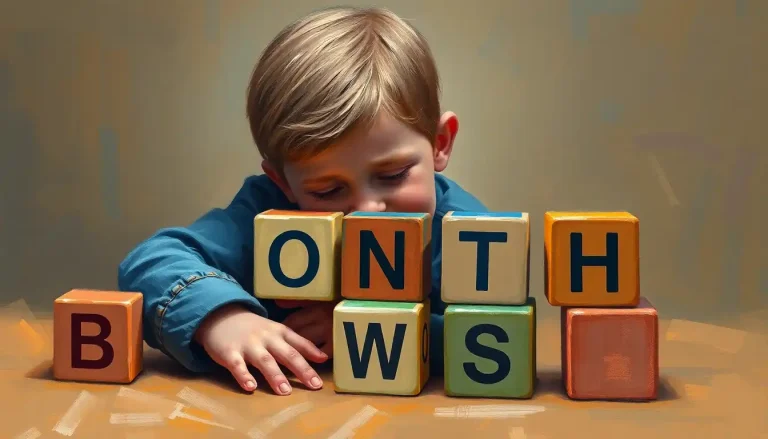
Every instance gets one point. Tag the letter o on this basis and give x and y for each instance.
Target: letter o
(313, 254)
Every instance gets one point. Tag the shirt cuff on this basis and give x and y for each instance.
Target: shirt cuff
(190, 302)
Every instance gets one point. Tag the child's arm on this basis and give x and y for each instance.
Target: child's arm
(199, 276)
(185, 273)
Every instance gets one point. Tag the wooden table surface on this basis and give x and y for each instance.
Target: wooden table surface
(714, 383)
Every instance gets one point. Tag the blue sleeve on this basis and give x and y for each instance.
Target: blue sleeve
(453, 198)
(185, 273)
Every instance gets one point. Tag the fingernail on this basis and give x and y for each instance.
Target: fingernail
(315, 381)
(285, 388)
(250, 384)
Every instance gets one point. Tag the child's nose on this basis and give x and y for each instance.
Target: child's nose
(370, 204)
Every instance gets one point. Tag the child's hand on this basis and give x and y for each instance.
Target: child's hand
(315, 323)
(234, 337)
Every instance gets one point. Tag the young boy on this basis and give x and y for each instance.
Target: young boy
(343, 106)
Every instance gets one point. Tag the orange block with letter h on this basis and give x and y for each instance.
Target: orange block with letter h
(98, 336)
(592, 259)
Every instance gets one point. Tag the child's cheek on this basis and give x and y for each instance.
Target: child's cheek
(416, 195)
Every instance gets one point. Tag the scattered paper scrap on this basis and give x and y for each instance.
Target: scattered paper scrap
(356, 421)
(271, 423)
(32, 433)
(137, 419)
(203, 402)
(488, 411)
(179, 414)
(147, 401)
(68, 423)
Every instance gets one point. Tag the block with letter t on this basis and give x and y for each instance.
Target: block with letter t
(297, 255)
(592, 259)
(97, 336)
(490, 350)
(485, 258)
(381, 347)
(386, 256)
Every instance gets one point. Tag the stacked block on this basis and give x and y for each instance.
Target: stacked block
(609, 332)
(381, 329)
(490, 322)
(297, 255)
(98, 336)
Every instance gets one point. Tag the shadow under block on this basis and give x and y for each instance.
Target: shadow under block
(381, 347)
(591, 259)
(610, 353)
(490, 350)
(387, 256)
(297, 255)
(485, 258)
(97, 336)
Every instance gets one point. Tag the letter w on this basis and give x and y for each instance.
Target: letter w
(373, 335)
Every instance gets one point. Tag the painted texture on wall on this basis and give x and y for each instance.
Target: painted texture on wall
(118, 118)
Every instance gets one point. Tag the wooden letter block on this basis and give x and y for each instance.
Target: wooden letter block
(610, 353)
(97, 336)
(490, 350)
(485, 258)
(381, 347)
(297, 255)
(592, 259)
(387, 256)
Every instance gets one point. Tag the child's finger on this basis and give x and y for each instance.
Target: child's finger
(302, 318)
(263, 360)
(305, 347)
(288, 356)
(327, 348)
(288, 304)
(316, 333)
(236, 365)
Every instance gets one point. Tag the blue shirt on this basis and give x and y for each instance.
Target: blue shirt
(185, 273)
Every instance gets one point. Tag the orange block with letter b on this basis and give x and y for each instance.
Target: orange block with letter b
(97, 336)
(386, 256)
(592, 259)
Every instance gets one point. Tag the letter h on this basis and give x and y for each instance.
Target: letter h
(610, 261)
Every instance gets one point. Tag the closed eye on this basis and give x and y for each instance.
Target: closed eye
(325, 194)
(396, 177)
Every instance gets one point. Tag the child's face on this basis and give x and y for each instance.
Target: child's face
(388, 168)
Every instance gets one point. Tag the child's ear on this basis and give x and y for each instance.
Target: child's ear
(446, 134)
(277, 178)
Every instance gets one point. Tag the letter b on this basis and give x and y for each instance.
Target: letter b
(100, 340)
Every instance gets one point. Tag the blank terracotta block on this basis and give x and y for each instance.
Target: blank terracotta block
(611, 353)
(591, 259)
(386, 256)
(297, 255)
(98, 336)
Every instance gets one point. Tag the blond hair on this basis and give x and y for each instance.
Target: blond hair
(334, 70)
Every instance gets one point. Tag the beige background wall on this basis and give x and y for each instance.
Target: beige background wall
(120, 117)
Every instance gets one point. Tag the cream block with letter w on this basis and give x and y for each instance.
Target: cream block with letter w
(381, 347)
